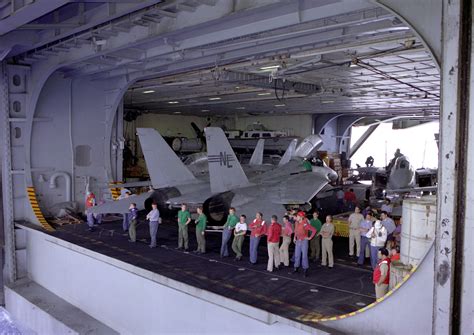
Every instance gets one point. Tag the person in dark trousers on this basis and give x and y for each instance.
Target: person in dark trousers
(257, 228)
(133, 215)
(315, 243)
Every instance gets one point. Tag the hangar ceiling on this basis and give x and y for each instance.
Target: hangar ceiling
(350, 57)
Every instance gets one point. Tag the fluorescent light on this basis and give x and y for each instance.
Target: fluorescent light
(266, 93)
(237, 87)
(327, 102)
(150, 91)
(177, 112)
(173, 102)
(271, 67)
(204, 110)
(240, 108)
(282, 105)
(216, 98)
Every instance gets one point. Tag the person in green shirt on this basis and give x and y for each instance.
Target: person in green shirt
(227, 231)
(201, 222)
(307, 165)
(183, 220)
(315, 243)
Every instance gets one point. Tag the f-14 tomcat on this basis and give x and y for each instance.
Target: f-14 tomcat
(228, 185)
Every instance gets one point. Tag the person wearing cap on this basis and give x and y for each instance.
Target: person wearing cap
(184, 218)
(273, 240)
(287, 231)
(227, 232)
(364, 227)
(239, 236)
(301, 239)
(354, 233)
(381, 276)
(378, 237)
(327, 230)
(257, 229)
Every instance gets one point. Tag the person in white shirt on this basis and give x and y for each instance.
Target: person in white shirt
(378, 238)
(239, 235)
(354, 233)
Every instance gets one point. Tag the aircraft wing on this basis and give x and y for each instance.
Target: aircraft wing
(122, 205)
(298, 188)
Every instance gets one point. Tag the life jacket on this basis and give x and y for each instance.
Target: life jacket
(90, 200)
(378, 273)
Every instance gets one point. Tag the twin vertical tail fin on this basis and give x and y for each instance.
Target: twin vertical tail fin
(257, 156)
(289, 153)
(225, 171)
(164, 167)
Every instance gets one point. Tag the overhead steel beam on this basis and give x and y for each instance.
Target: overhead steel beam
(362, 139)
(279, 84)
(42, 26)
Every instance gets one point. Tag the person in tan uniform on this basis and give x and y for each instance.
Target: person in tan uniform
(327, 230)
(354, 233)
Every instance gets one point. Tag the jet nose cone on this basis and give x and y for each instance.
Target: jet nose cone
(332, 175)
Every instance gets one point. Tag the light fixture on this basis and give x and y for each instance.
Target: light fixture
(204, 110)
(265, 93)
(327, 102)
(149, 91)
(237, 87)
(282, 105)
(240, 107)
(173, 102)
(215, 98)
(177, 112)
(271, 67)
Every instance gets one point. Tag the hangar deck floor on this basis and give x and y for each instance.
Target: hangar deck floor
(324, 293)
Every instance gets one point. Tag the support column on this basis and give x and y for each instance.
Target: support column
(453, 170)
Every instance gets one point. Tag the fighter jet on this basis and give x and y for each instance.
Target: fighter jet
(269, 193)
(399, 178)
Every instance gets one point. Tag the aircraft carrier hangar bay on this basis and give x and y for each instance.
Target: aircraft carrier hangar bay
(219, 104)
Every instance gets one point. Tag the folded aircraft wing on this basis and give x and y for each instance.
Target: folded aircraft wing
(298, 188)
(121, 206)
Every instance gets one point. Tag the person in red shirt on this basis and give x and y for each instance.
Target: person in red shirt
(395, 254)
(381, 276)
(273, 242)
(350, 199)
(257, 229)
(301, 239)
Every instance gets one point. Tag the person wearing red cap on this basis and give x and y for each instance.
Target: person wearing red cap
(301, 239)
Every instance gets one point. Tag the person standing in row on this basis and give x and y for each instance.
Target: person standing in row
(327, 230)
(273, 240)
(90, 203)
(381, 276)
(154, 217)
(388, 223)
(287, 231)
(257, 228)
(227, 232)
(378, 238)
(201, 223)
(354, 233)
(365, 226)
(133, 215)
(239, 236)
(183, 220)
(126, 218)
(301, 239)
(315, 243)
